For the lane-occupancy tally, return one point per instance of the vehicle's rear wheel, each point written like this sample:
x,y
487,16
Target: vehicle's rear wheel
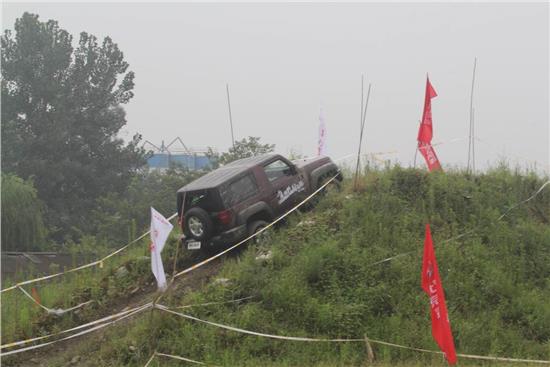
x,y
255,227
198,224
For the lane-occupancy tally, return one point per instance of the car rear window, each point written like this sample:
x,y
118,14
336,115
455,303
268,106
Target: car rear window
x,y
206,199
239,190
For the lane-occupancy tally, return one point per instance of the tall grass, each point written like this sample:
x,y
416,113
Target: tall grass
x,y
324,279
21,318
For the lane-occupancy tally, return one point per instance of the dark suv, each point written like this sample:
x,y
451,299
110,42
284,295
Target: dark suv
x,y
236,200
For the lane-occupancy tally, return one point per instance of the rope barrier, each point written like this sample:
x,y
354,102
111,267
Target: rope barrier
x,y
243,331
85,266
204,262
375,341
99,321
179,358
131,312
216,303
100,261
491,148
150,359
128,314
471,230
54,311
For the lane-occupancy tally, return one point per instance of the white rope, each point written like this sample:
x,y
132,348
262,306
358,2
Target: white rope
x,y
100,261
243,331
304,339
179,358
54,311
524,201
99,321
150,360
204,262
490,147
216,303
471,230
85,266
135,311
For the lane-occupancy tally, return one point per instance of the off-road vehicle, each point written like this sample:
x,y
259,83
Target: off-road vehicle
x,y
236,200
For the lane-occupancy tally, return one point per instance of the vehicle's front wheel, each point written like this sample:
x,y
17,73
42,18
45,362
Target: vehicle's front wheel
x,y
333,186
254,228
198,224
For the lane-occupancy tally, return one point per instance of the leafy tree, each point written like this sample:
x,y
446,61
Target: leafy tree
x,y
244,148
120,217
22,225
61,112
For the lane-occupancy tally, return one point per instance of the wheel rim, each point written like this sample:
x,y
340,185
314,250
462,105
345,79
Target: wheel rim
x,y
195,226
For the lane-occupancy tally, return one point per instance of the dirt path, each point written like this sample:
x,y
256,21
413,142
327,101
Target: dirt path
x,y
80,350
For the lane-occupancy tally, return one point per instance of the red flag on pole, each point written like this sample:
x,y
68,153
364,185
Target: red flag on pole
x,y
431,284
425,132
429,155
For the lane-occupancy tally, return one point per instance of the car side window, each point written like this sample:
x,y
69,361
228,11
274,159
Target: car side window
x,y
276,170
239,190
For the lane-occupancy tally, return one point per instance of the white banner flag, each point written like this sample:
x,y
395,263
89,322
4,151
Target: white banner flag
x,y
160,229
322,144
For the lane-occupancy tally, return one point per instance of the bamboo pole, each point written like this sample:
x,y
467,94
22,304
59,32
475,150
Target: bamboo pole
x,y
370,353
470,133
473,142
362,126
230,117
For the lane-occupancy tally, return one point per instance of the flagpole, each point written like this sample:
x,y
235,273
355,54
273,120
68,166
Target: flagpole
x,y
360,129
230,118
470,136
416,150
473,142
364,115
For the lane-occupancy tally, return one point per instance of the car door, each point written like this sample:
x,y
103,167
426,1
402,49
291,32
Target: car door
x,y
287,185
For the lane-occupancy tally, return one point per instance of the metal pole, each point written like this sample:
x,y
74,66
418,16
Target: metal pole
x,y
416,150
470,139
230,118
473,141
362,101
361,135
360,128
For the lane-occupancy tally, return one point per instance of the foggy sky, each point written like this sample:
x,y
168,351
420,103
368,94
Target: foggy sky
x,y
283,60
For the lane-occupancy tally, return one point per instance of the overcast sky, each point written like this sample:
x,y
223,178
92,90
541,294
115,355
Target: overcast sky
x,y
282,61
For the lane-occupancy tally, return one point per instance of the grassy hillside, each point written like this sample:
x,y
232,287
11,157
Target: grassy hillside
x,y
324,280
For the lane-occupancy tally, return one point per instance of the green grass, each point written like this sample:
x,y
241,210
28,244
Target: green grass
x,y
21,318
321,281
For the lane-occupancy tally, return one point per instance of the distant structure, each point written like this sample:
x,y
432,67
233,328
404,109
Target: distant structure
x,y
16,263
166,155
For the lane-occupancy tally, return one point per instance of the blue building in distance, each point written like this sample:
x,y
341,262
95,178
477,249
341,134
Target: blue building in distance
x,y
166,155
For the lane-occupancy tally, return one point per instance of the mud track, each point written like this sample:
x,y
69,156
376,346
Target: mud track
x,y
80,350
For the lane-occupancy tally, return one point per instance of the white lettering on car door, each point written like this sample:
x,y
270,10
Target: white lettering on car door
x,y
283,195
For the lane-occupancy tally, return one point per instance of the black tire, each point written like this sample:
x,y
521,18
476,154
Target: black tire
x,y
254,227
192,219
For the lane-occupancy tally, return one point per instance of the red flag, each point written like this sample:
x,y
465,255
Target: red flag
x,y
431,284
425,132
429,155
